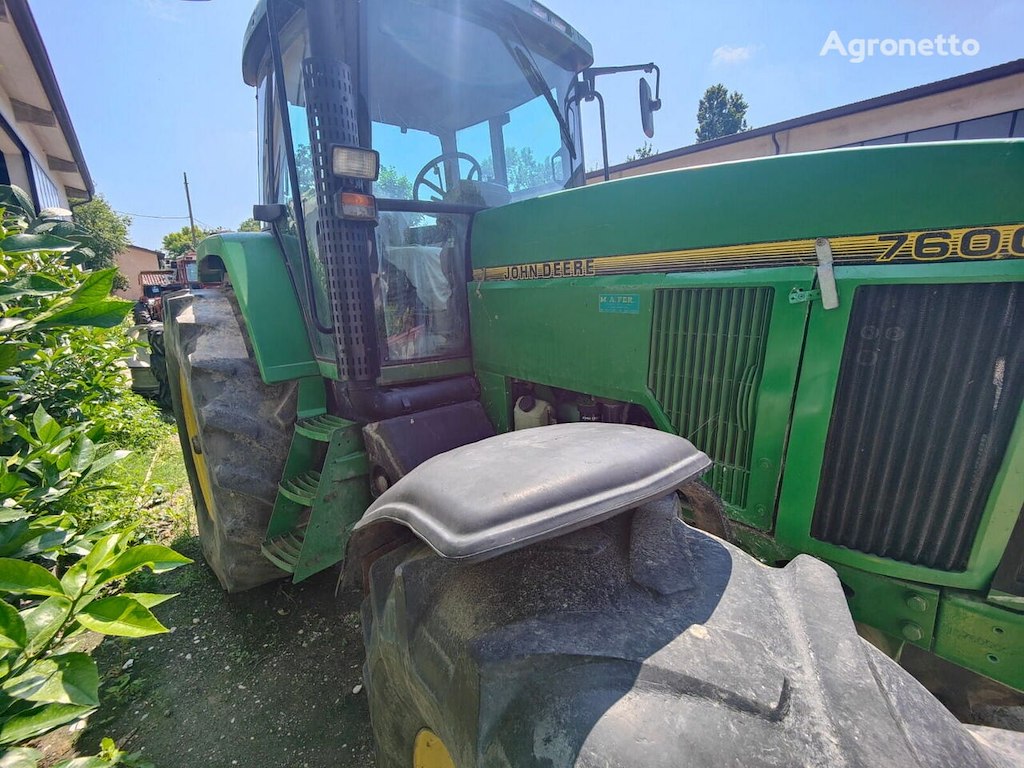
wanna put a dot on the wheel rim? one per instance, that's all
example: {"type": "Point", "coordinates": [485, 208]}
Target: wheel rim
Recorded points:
{"type": "Point", "coordinates": [430, 752]}
{"type": "Point", "coordinates": [192, 430]}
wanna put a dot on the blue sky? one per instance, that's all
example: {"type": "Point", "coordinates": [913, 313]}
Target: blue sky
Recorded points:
{"type": "Point", "coordinates": [154, 86]}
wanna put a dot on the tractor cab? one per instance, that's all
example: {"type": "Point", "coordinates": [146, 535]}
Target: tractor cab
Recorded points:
{"type": "Point", "coordinates": [383, 127]}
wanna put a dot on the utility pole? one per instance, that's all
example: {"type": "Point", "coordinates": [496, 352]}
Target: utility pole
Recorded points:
{"type": "Point", "coordinates": [191, 221]}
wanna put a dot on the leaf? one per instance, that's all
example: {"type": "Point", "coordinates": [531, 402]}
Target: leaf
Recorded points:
{"type": "Point", "coordinates": [8, 324]}
{"type": "Point", "coordinates": [92, 761]}
{"type": "Point", "coordinates": [102, 314]}
{"type": "Point", "coordinates": [29, 285]}
{"type": "Point", "coordinates": [120, 615]}
{"type": "Point", "coordinates": [150, 599]}
{"type": "Point", "coordinates": [21, 757]}
{"type": "Point", "coordinates": [9, 354]}
{"type": "Point", "coordinates": [12, 197]}
{"type": "Point", "coordinates": [13, 635]}
{"type": "Point", "coordinates": [106, 460]}
{"type": "Point", "coordinates": [14, 535]}
{"type": "Point", "coordinates": [34, 243]}
{"type": "Point", "coordinates": [100, 556]}
{"type": "Point", "coordinates": [50, 539]}
{"type": "Point", "coordinates": [82, 455]}
{"type": "Point", "coordinates": [22, 578]}
{"type": "Point", "coordinates": [57, 214]}
{"type": "Point", "coordinates": [95, 288]}
{"type": "Point", "coordinates": [12, 514]}
{"type": "Point", "coordinates": [67, 678]}
{"type": "Point", "coordinates": [154, 556]}
{"type": "Point", "coordinates": [43, 622]}
{"type": "Point", "coordinates": [39, 720]}
{"type": "Point", "coordinates": [46, 427]}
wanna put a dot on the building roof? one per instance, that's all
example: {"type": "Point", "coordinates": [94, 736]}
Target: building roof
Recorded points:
{"type": "Point", "coordinates": [897, 97]}
{"type": "Point", "coordinates": [148, 250]}
{"type": "Point", "coordinates": [51, 119]}
{"type": "Point", "coordinates": [159, 278]}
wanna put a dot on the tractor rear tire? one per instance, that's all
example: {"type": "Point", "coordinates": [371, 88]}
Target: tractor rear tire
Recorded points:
{"type": "Point", "coordinates": [235, 432]}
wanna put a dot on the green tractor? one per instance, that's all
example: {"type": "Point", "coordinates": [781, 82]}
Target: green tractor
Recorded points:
{"type": "Point", "coordinates": [495, 406]}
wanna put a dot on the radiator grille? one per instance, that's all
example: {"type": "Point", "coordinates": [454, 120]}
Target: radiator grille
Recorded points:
{"type": "Point", "coordinates": [707, 355]}
{"type": "Point", "coordinates": [930, 385]}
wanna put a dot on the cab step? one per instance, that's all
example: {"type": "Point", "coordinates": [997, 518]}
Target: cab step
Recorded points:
{"type": "Point", "coordinates": [302, 488]}
{"type": "Point", "coordinates": [320, 428]}
{"type": "Point", "coordinates": [283, 551]}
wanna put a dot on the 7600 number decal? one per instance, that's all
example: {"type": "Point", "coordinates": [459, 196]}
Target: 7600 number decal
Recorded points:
{"type": "Point", "coordinates": [939, 245]}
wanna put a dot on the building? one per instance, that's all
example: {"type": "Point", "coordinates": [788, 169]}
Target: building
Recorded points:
{"type": "Point", "coordinates": [132, 262]}
{"type": "Point", "coordinates": [985, 104]}
{"type": "Point", "coordinates": [39, 150]}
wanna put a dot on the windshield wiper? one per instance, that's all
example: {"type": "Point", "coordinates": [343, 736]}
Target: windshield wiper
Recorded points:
{"type": "Point", "coordinates": [524, 60]}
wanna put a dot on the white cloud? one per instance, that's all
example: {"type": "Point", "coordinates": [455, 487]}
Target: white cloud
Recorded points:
{"type": "Point", "coordinates": [728, 54]}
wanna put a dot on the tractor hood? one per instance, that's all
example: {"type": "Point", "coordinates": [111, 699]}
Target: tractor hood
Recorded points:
{"type": "Point", "coordinates": [537, 484]}
{"type": "Point", "coordinates": [687, 220]}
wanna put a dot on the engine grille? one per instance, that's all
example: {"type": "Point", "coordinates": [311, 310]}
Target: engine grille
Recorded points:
{"type": "Point", "coordinates": [929, 388]}
{"type": "Point", "coordinates": [707, 355]}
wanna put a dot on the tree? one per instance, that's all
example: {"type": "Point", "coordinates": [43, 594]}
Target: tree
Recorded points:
{"type": "Point", "coordinates": [392, 184]}
{"type": "Point", "coordinates": [250, 225]}
{"type": "Point", "coordinates": [523, 169]}
{"type": "Point", "coordinates": [180, 242]}
{"type": "Point", "coordinates": [304, 169]}
{"type": "Point", "coordinates": [107, 234]}
{"type": "Point", "coordinates": [720, 113]}
{"type": "Point", "coordinates": [647, 150]}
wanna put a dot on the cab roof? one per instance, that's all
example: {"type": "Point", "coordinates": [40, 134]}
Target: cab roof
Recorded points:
{"type": "Point", "coordinates": [543, 30]}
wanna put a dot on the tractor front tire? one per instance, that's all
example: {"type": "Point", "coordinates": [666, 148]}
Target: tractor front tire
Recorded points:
{"type": "Point", "coordinates": [235, 432]}
{"type": "Point", "coordinates": [639, 641]}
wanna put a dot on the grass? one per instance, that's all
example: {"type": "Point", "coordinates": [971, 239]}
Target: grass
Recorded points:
{"type": "Point", "coordinates": [149, 487]}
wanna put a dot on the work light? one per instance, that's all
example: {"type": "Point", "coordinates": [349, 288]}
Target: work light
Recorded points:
{"type": "Point", "coordinates": [354, 205]}
{"type": "Point", "coordinates": [355, 162]}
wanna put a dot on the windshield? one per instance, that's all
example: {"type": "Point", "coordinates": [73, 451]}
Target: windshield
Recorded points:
{"type": "Point", "coordinates": [460, 114]}
{"type": "Point", "coordinates": [456, 98]}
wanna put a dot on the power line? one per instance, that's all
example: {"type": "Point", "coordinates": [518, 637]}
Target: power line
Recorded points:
{"type": "Point", "coordinates": [147, 216]}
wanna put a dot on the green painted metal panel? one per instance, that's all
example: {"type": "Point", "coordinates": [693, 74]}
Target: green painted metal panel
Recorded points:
{"type": "Point", "coordinates": [424, 371]}
{"type": "Point", "coordinates": [902, 609]}
{"type": "Point", "coordinates": [812, 414]}
{"type": "Point", "coordinates": [982, 637]}
{"type": "Point", "coordinates": [496, 400]}
{"type": "Point", "coordinates": [609, 355]}
{"type": "Point", "coordinates": [273, 317]}
{"type": "Point", "coordinates": [839, 192]}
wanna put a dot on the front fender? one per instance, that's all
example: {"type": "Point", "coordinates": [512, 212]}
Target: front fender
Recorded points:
{"type": "Point", "coordinates": [266, 296]}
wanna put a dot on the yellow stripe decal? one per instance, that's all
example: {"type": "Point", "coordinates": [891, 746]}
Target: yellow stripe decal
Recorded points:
{"type": "Point", "coordinates": [964, 244]}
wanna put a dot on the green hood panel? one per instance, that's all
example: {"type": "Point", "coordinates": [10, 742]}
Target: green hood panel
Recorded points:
{"type": "Point", "coordinates": [820, 194]}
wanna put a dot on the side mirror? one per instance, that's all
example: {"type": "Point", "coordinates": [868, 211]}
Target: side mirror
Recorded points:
{"type": "Point", "coordinates": [268, 213]}
{"type": "Point", "coordinates": [648, 106]}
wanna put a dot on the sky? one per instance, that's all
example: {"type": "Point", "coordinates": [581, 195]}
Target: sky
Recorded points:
{"type": "Point", "coordinates": [154, 87]}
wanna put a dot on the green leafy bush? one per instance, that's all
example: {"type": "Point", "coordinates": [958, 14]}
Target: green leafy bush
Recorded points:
{"type": "Point", "coordinates": [61, 570]}
{"type": "Point", "coordinates": [43, 684]}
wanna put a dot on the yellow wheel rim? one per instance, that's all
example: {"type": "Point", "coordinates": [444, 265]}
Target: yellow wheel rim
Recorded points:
{"type": "Point", "coordinates": [430, 752]}
{"type": "Point", "coordinates": [192, 430]}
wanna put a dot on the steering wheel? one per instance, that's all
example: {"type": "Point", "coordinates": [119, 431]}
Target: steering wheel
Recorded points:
{"type": "Point", "coordinates": [436, 168]}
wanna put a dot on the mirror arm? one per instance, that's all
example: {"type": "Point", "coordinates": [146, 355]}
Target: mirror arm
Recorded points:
{"type": "Point", "coordinates": [652, 67]}
{"type": "Point", "coordinates": [587, 92]}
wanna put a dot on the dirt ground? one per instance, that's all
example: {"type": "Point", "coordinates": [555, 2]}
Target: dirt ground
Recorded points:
{"type": "Point", "coordinates": [268, 678]}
